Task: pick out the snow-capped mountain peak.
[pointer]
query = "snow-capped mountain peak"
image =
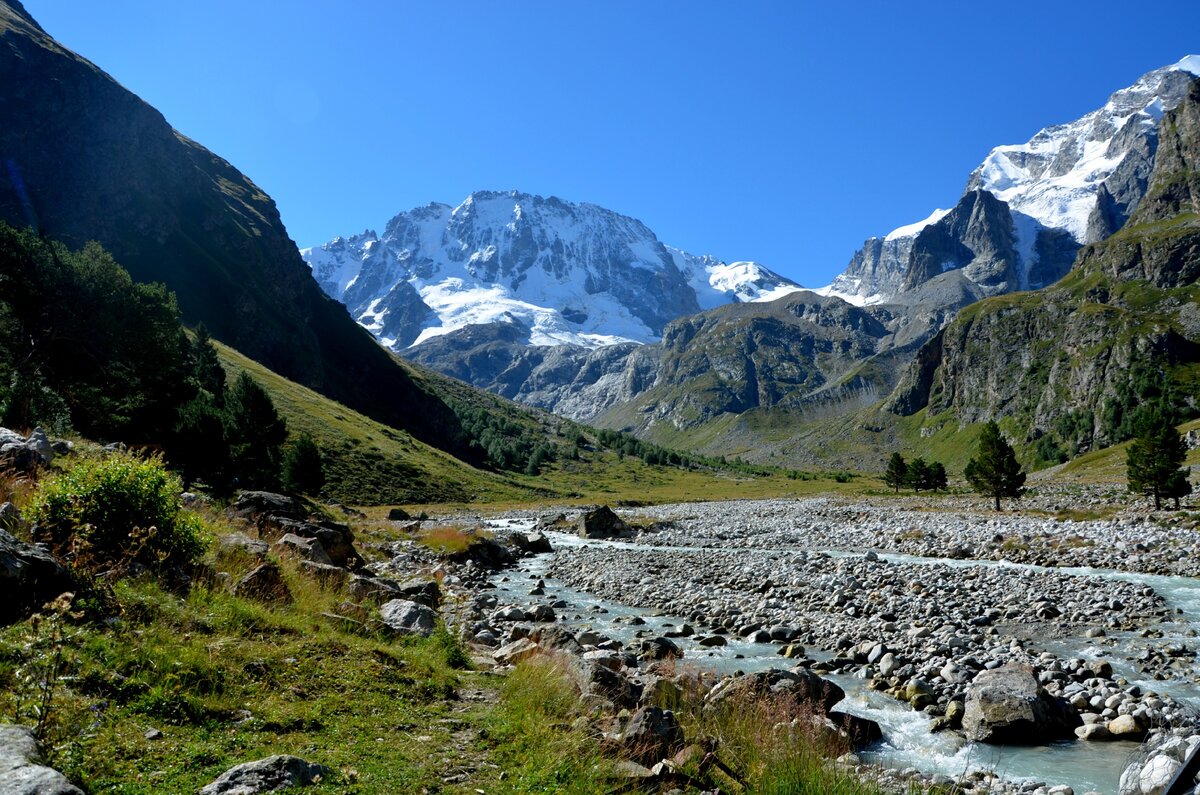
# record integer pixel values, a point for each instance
(1084, 177)
(565, 273)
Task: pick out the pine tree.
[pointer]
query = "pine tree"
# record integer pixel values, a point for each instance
(918, 474)
(897, 470)
(206, 366)
(302, 470)
(1154, 459)
(257, 433)
(937, 476)
(995, 471)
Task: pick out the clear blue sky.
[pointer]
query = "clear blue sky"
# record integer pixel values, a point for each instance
(782, 132)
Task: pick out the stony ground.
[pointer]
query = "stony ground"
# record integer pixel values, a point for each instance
(830, 581)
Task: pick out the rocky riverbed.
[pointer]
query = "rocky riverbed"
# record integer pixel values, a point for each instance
(910, 601)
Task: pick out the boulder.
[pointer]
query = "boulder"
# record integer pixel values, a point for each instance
(530, 543)
(236, 544)
(21, 769)
(659, 649)
(858, 732)
(267, 775)
(257, 506)
(1126, 727)
(336, 539)
(602, 523)
(405, 617)
(595, 678)
(556, 638)
(29, 577)
(653, 734)
(264, 583)
(398, 515)
(1007, 706)
(515, 652)
(302, 548)
(800, 685)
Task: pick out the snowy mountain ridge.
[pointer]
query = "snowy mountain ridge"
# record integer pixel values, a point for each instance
(1084, 177)
(565, 273)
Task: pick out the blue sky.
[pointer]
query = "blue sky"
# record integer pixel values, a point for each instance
(782, 132)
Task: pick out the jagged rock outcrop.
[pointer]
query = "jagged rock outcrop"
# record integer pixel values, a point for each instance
(1076, 183)
(85, 159)
(1072, 349)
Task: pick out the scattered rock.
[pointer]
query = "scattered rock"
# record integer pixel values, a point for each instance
(601, 522)
(264, 583)
(21, 769)
(1008, 706)
(398, 515)
(29, 577)
(267, 775)
(651, 735)
(405, 617)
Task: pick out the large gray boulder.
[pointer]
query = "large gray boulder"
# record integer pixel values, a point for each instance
(266, 775)
(21, 769)
(800, 685)
(602, 523)
(653, 734)
(1007, 706)
(408, 618)
(29, 577)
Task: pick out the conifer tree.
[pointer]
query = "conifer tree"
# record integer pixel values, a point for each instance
(937, 476)
(303, 471)
(994, 470)
(1154, 459)
(897, 470)
(257, 433)
(918, 474)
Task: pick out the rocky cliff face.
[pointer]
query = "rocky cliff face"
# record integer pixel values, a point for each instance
(1130, 301)
(84, 159)
(569, 380)
(785, 354)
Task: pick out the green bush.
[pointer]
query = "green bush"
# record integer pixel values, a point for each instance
(117, 509)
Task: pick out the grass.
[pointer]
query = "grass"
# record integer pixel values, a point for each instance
(450, 540)
(228, 681)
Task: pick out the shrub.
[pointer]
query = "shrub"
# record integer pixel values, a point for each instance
(117, 509)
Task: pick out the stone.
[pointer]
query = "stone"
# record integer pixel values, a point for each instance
(712, 641)
(800, 685)
(39, 443)
(1092, 731)
(236, 544)
(404, 617)
(595, 678)
(860, 732)
(29, 577)
(22, 771)
(555, 638)
(543, 614)
(1157, 773)
(601, 522)
(398, 515)
(1125, 727)
(302, 548)
(659, 649)
(264, 583)
(652, 734)
(1007, 706)
(515, 652)
(256, 506)
(271, 774)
